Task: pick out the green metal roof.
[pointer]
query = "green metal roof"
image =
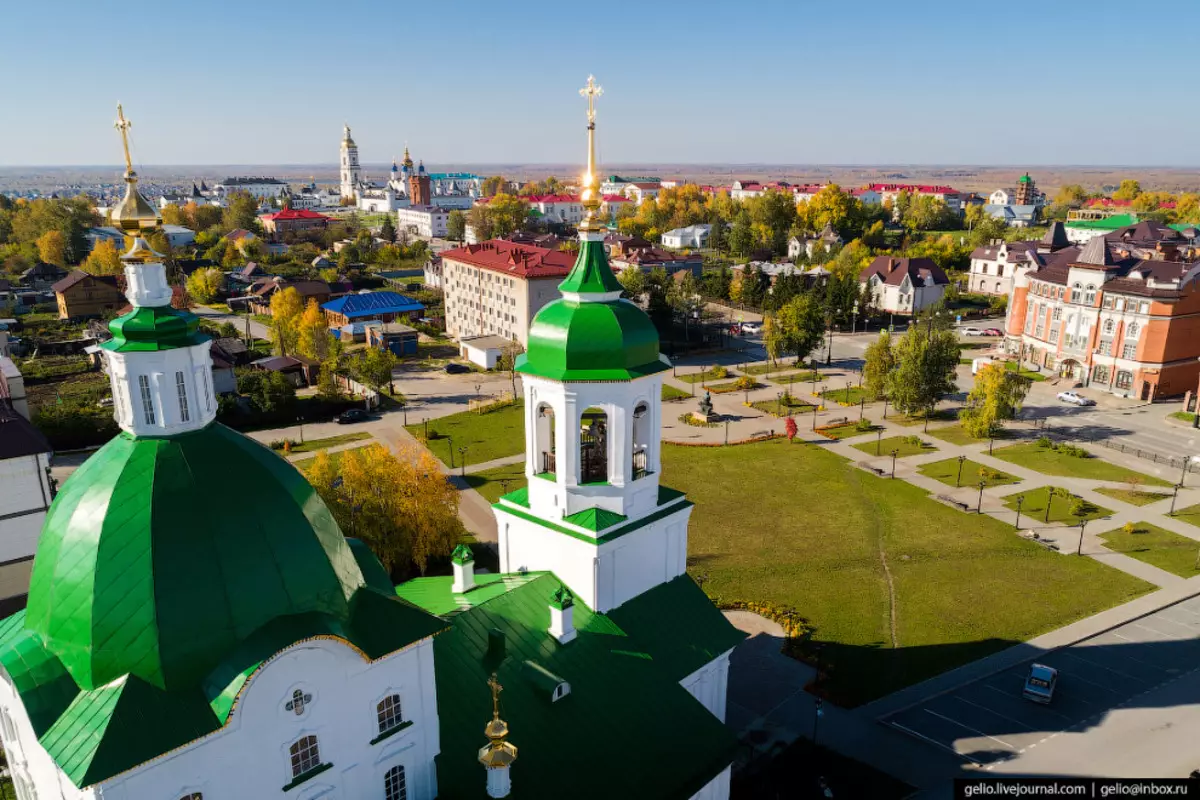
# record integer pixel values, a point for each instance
(435, 595)
(595, 519)
(582, 341)
(1024, 178)
(665, 744)
(157, 328)
(591, 273)
(665, 509)
(653, 618)
(1106, 224)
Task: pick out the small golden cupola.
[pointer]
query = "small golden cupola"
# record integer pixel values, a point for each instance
(134, 214)
(497, 755)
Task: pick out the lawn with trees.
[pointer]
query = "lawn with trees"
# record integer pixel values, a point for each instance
(489, 435)
(1054, 504)
(1068, 461)
(1164, 549)
(952, 472)
(903, 446)
(965, 585)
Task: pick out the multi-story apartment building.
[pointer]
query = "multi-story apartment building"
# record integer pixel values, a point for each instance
(1120, 314)
(496, 287)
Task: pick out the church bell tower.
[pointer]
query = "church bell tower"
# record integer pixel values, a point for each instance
(351, 172)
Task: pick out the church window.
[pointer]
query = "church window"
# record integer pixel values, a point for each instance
(593, 446)
(388, 712)
(305, 754)
(641, 439)
(300, 700)
(181, 390)
(393, 784)
(147, 399)
(544, 442)
(192, 796)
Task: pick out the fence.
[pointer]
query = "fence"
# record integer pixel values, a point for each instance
(1182, 463)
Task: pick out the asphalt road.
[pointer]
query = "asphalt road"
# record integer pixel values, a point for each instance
(1139, 680)
(257, 329)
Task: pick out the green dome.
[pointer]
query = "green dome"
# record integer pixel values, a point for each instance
(161, 556)
(154, 328)
(580, 341)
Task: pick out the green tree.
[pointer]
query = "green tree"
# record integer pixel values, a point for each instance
(995, 398)
(772, 338)
(387, 230)
(1128, 190)
(718, 238)
(633, 281)
(878, 362)
(327, 385)
(801, 326)
(741, 238)
(373, 368)
(456, 226)
(241, 211)
(926, 360)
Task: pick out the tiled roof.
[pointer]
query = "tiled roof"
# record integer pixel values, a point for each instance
(78, 275)
(509, 258)
(624, 688)
(892, 270)
(920, 188)
(293, 214)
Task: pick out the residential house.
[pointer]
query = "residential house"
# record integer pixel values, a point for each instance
(824, 242)
(496, 287)
(903, 286)
(231, 349)
(1013, 216)
(888, 192)
(299, 370)
(42, 276)
(1115, 314)
(259, 296)
(381, 306)
(80, 295)
(28, 489)
(693, 236)
(224, 379)
(641, 191)
(291, 220)
(12, 383)
(651, 257)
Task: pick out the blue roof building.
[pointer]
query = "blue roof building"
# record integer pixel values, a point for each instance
(383, 306)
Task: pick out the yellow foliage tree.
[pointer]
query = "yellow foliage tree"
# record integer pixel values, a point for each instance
(312, 334)
(204, 284)
(285, 314)
(104, 259)
(402, 507)
(172, 214)
(52, 248)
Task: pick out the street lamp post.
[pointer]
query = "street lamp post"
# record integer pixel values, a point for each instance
(854, 318)
(1183, 472)
(1174, 495)
(894, 452)
(862, 407)
(1020, 500)
(462, 451)
(1082, 525)
(425, 422)
(878, 441)
(849, 385)
(450, 449)
(815, 407)
(300, 420)
(958, 479)
(726, 431)
(982, 485)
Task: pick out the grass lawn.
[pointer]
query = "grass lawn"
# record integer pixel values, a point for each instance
(965, 585)
(955, 434)
(1182, 415)
(222, 307)
(1190, 515)
(670, 392)
(494, 434)
(313, 445)
(1032, 375)
(1034, 507)
(903, 445)
(778, 409)
(1054, 462)
(847, 397)
(1154, 545)
(305, 464)
(488, 482)
(846, 430)
(939, 415)
(946, 471)
(1135, 497)
(711, 374)
(731, 386)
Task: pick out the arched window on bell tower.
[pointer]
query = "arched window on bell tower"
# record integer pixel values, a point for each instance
(642, 425)
(544, 447)
(593, 446)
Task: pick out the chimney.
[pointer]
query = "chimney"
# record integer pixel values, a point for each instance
(463, 564)
(891, 264)
(562, 615)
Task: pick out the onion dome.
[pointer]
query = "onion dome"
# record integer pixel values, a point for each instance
(591, 334)
(134, 213)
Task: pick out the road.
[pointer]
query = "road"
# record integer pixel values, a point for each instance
(1123, 699)
(257, 329)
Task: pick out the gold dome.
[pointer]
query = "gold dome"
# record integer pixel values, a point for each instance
(134, 213)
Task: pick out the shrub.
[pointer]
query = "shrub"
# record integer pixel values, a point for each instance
(913, 441)
(864, 425)
(1044, 442)
(1129, 528)
(719, 372)
(744, 383)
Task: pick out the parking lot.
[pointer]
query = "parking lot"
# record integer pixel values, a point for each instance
(987, 721)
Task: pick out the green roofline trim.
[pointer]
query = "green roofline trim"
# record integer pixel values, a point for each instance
(602, 539)
(591, 273)
(150, 329)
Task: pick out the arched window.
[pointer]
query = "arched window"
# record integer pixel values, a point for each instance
(192, 796)
(306, 755)
(593, 446)
(393, 784)
(147, 398)
(1132, 331)
(1109, 325)
(1076, 289)
(298, 703)
(641, 439)
(388, 713)
(1090, 297)
(543, 440)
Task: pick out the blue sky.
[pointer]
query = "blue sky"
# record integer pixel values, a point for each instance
(495, 81)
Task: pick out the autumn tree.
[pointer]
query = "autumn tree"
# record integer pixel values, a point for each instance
(173, 214)
(878, 362)
(403, 507)
(456, 226)
(995, 398)
(1072, 196)
(801, 326)
(772, 338)
(52, 248)
(831, 206)
(105, 259)
(312, 333)
(492, 185)
(286, 309)
(1128, 190)
(241, 211)
(204, 284)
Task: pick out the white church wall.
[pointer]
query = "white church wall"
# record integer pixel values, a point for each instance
(717, 788)
(708, 684)
(341, 693)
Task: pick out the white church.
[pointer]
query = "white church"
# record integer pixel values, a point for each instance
(179, 648)
(448, 190)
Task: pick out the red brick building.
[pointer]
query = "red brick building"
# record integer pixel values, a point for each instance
(292, 219)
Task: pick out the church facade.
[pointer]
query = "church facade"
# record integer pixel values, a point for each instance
(407, 184)
(175, 649)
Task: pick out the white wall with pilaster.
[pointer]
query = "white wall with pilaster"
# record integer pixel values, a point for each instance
(708, 684)
(717, 788)
(178, 387)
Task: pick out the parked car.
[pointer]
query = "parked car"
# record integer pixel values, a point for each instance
(457, 369)
(1075, 399)
(1040, 683)
(351, 415)
(969, 331)
(750, 328)
(992, 332)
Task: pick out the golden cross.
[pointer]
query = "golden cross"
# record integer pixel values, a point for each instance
(123, 125)
(591, 92)
(496, 689)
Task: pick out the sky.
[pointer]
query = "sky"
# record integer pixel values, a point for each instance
(496, 81)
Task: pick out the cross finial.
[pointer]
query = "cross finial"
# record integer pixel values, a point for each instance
(123, 125)
(496, 689)
(591, 92)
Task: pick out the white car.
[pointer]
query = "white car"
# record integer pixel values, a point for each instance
(971, 331)
(751, 328)
(1075, 399)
